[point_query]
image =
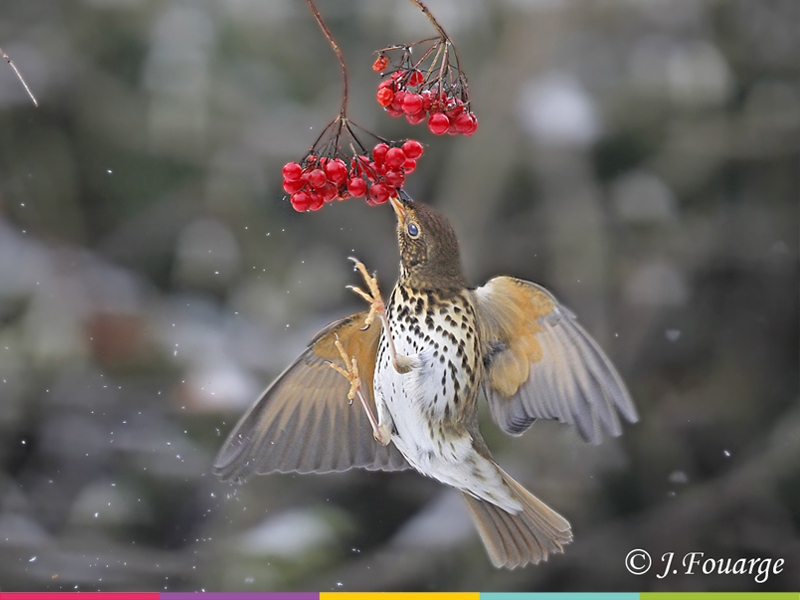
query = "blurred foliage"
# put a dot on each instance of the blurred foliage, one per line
(639, 159)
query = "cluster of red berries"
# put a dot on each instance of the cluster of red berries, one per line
(377, 175)
(406, 92)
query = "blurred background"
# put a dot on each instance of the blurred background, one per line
(640, 159)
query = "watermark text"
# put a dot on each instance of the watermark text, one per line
(640, 562)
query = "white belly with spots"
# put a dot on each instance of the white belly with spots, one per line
(414, 403)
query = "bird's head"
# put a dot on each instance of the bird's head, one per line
(429, 257)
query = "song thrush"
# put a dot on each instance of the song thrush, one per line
(417, 372)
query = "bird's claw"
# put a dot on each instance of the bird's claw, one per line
(402, 364)
(376, 305)
(350, 372)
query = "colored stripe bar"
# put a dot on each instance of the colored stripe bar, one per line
(399, 596)
(719, 596)
(560, 596)
(90, 595)
(236, 596)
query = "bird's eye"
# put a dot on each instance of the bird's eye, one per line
(412, 229)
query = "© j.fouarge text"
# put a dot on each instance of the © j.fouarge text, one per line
(696, 562)
(760, 569)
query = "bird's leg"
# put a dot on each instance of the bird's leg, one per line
(350, 372)
(402, 364)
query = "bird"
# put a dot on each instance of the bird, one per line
(398, 386)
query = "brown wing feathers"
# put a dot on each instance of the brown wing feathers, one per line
(540, 363)
(510, 325)
(304, 422)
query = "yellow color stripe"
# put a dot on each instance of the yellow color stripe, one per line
(398, 596)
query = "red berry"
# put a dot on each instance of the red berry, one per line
(409, 166)
(317, 178)
(357, 187)
(393, 112)
(328, 192)
(463, 122)
(378, 193)
(395, 178)
(427, 99)
(316, 201)
(300, 201)
(467, 123)
(397, 103)
(291, 187)
(474, 126)
(395, 158)
(379, 168)
(412, 103)
(379, 153)
(336, 171)
(452, 129)
(417, 117)
(412, 149)
(385, 96)
(380, 63)
(292, 171)
(438, 123)
(415, 79)
(454, 108)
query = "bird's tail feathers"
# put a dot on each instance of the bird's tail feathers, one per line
(514, 540)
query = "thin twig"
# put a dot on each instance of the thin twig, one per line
(438, 27)
(19, 75)
(338, 52)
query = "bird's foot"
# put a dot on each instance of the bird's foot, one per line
(376, 305)
(402, 364)
(350, 372)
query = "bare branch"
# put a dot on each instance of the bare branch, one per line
(19, 75)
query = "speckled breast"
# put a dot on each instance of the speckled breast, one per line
(439, 331)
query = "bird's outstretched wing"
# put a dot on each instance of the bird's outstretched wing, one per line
(541, 364)
(304, 422)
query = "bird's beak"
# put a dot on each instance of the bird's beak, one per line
(399, 210)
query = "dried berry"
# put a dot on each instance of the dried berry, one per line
(380, 63)
(385, 96)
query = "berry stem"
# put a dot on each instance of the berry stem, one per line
(438, 27)
(353, 137)
(338, 52)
